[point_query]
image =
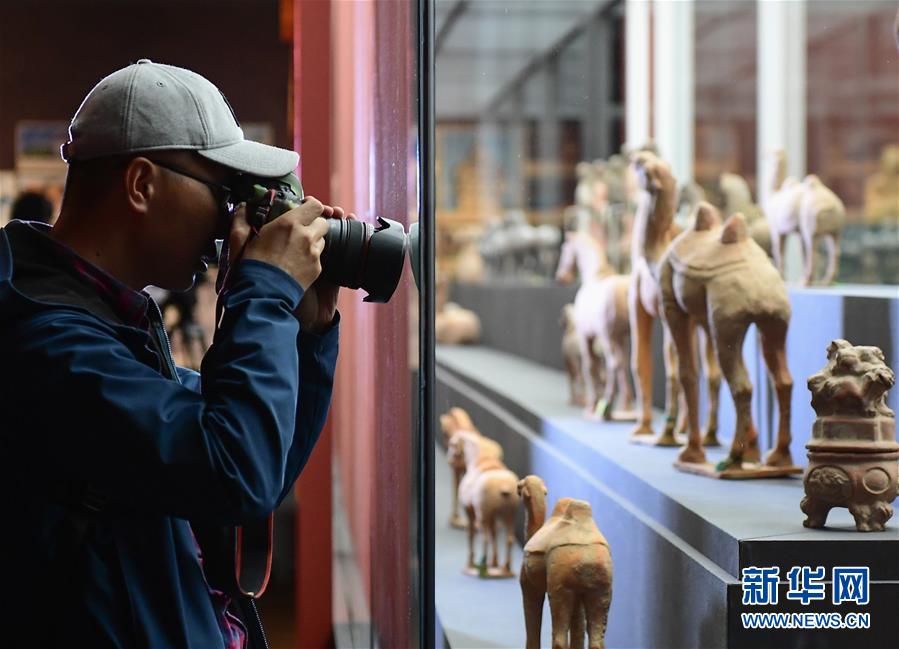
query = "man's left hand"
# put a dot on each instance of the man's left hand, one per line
(319, 303)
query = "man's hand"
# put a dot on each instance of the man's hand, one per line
(293, 242)
(319, 303)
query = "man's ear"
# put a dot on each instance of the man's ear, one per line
(140, 180)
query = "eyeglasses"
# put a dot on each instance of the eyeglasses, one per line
(222, 193)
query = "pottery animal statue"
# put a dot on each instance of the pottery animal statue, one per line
(853, 451)
(738, 198)
(806, 207)
(455, 325)
(568, 558)
(571, 356)
(456, 459)
(488, 493)
(600, 313)
(654, 229)
(719, 278)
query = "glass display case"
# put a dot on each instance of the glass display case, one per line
(542, 109)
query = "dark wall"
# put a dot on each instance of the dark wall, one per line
(52, 52)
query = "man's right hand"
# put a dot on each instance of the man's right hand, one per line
(293, 242)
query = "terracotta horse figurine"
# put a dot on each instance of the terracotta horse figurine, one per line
(568, 558)
(600, 312)
(488, 492)
(654, 229)
(722, 280)
(806, 207)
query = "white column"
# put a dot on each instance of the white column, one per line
(636, 61)
(781, 52)
(673, 84)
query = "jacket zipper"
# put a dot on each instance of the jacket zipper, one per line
(163, 336)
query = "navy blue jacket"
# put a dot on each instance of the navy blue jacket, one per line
(84, 401)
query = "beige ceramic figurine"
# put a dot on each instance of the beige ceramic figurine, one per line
(719, 278)
(454, 325)
(457, 422)
(599, 314)
(853, 451)
(488, 494)
(806, 207)
(738, 198)
(654, 230)
(568, 559)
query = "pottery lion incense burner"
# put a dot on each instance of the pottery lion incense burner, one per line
(853, 451)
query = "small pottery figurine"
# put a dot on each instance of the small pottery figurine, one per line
(719, 278)
(600, 314)
(806, 207)
(488, 494)
(567, 558)
(457, 421)
(738, 198)
(853, 451)
(654, 230)
(455, 325)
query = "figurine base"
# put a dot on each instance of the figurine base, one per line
(658, 440)
(458, 523)
(492, 573)
(746, 471)
(623, 415)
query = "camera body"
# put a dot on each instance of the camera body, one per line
(356, 254)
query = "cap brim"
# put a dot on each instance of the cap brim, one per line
(254, 158)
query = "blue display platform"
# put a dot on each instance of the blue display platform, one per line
(678, 541)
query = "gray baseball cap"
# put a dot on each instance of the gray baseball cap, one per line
(149, 107)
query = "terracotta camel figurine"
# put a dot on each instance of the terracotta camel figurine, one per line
(568, 558)
(719, 278)
(654, 229)
(806, 207)
(488, 494)
(600, 313)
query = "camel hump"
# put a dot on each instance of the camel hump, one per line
(735, 229)
(706, 216)
(812, 180)
(578, 510)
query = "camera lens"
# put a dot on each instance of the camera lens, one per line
(357, 255)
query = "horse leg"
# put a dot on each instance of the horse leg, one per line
(729, 335)
(641, 358)
(469, 512)
(774, 336)
(584, 344)
(833, 258)
(712, 372)
(624, 380)
(777, 247)
(809, 244)
(605, 406)
(510, 541)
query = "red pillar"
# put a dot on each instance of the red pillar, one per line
(312, 139)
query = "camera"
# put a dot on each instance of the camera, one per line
(356, 254)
